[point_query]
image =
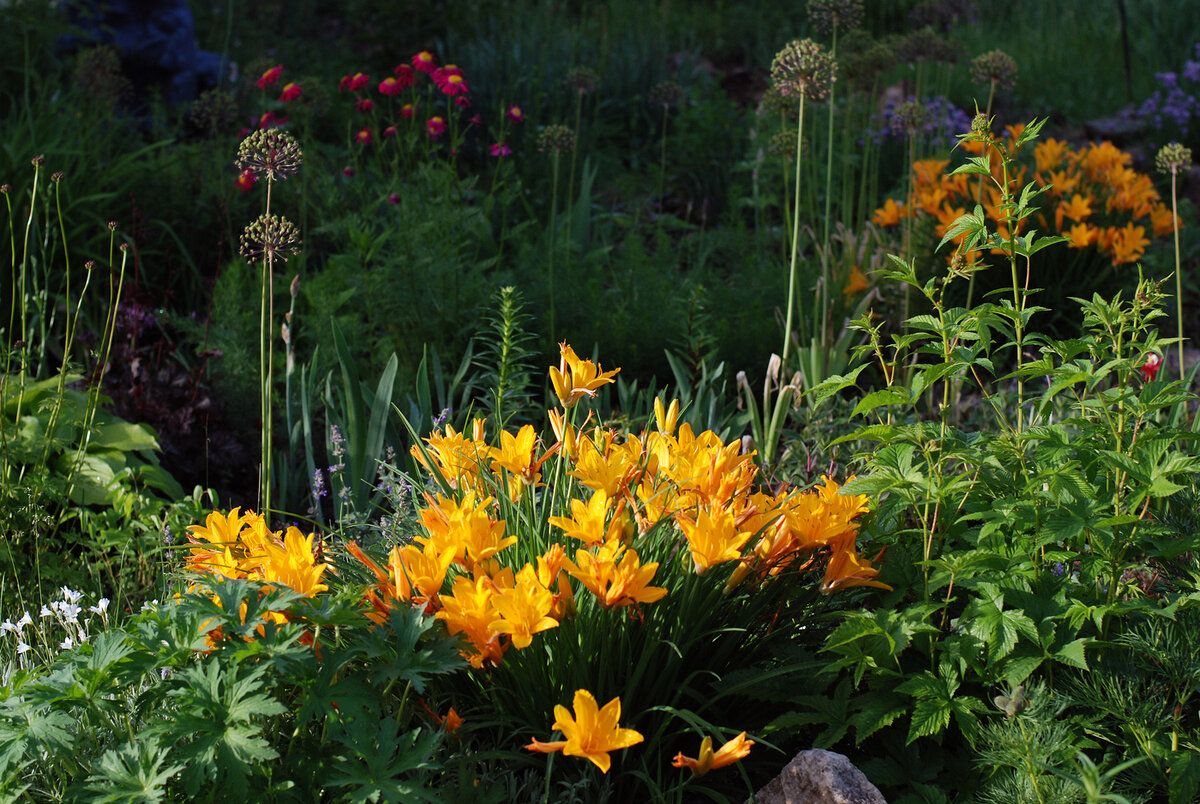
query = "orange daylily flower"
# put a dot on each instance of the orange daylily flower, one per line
(857, 282)
(712, 537)
(1129, 244)
(846, 568)
(592, 733)
(524, 609)
(729, 753)
(889, 214)
(1081, 235)
(586, 522)
(615, 584)
(575, 378)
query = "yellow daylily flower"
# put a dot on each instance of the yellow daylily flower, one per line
(592, 733)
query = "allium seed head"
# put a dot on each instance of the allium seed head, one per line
(803, 67)
(4, 188)
(925, 45)
(112, 226)
(997, 66)
(582, 79)
(89, 265)
(270, 236)
(909, 118)
(213, 112)
(38, 160)
(667, 94)
(270, 152)
(830, 15)
(1173, 158)
(783, 145)
(57, 176)
(556, 138)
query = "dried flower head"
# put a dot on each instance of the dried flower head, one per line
(803, 67)
(270, 236)
(4, 188)
(925, 45)
(57, 176)
(835, 15)
(863, 57)
(775, 102)
(909, 118)
(996, 67)
(556, 138)
(38, 160)
(89, 265)
(783, 144)
(1173, 158)
(270, 152)
(213, 112)
(98, 73)
(582, 79)
(666, 94)
(112, 226)
(942, 14)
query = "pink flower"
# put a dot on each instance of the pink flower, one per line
(390, 87)
(514, 114)
(290, 92)
(462, 102)
(364, 104)
(390, 131)
(364, 137)
(407, 110)
(405, 76)
(348, 172)
(269, 77)
(353, 83)
(269, 119)
(476, 120)
(246, 180)
(393, 199)
(436, 127)
(424, 62)
(1150, 368)
(500, 149)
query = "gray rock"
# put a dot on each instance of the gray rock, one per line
(819, 777)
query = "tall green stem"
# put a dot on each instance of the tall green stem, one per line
(1178, 277)
(553, 237)
(791, 305)
(825, 323)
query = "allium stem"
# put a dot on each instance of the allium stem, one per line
(791, 305)
(553, 238)
(1178, 277)
(828, 203)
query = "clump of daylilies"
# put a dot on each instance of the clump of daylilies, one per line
(1099, 200)
(522, 534)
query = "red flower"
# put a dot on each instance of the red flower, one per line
(246, 180)
(407, 110)
(462, 102)
(449, 80)
(1150, 368)
(353, 83)
(290, 92)
(514, 114)
(390, 87)
(405, 76)
(269, 77)
(390, 131)
(476, 120)
(393, 199)
(364, 104)
(348, 172)
(364, 136)
(424, 62)
(500, 149)
(436, 127)
(269, 119)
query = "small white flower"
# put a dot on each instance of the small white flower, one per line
(22, 647)
(25, 620)
(70, 595)
(7, 627)
(67, 644)
(46, 612)
(100, 607)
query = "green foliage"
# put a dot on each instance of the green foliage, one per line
(192, 699)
